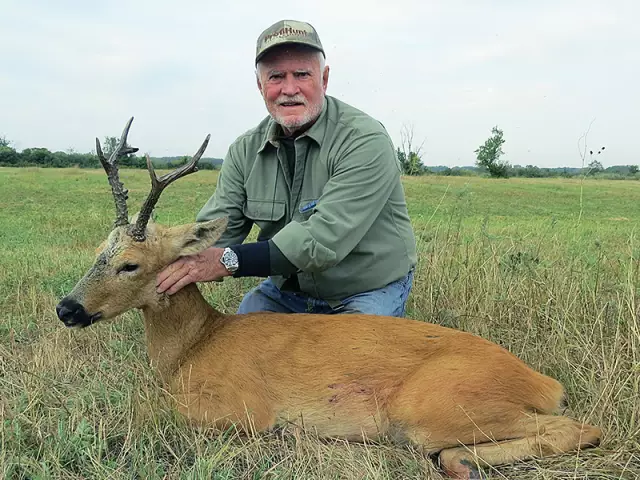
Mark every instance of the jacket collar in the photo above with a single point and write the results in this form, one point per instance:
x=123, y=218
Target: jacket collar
x=316, y=131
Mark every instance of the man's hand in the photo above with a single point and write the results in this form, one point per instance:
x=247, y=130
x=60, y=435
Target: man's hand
x=202, y=267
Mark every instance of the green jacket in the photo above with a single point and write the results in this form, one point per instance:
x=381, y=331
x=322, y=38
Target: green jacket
x=340, y=217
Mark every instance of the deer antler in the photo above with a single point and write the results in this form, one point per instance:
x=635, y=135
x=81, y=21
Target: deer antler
x=158, y=185
x=111, y=167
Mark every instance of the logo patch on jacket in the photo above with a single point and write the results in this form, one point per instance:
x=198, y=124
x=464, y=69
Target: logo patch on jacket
x=308, y=206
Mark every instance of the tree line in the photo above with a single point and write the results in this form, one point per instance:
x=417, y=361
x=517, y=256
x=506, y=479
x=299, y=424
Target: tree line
x=42, y=157
x=489, y=163
x=409, y=154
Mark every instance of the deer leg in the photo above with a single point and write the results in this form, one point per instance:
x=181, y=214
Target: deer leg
x=204, y=409
x=548, y=435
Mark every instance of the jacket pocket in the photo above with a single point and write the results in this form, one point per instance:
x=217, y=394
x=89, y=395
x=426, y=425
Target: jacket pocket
x=268, y=215
x=264, y=210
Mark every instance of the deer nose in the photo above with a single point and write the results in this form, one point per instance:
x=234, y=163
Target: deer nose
x=72, y=313
x=62, y=311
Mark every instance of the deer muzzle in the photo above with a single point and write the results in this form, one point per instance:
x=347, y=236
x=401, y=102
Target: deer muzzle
x=73, y=314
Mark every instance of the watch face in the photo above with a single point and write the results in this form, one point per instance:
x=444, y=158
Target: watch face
x=229, y=259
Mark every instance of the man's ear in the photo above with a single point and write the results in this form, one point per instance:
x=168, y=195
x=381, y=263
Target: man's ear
x=258, y=82
x=196, y=237
x=325, y=78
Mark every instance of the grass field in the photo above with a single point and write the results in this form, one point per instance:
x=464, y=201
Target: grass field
x=550, y=269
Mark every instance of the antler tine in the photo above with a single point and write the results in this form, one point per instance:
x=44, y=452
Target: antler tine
x=158, y=185
x=111, y=168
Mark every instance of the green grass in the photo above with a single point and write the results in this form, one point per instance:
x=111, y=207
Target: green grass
x=516, y=261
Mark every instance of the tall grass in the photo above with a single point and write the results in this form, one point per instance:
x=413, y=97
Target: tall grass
x=508, y=260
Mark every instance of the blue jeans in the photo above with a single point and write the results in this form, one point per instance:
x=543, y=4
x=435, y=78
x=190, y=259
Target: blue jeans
x=389, y=300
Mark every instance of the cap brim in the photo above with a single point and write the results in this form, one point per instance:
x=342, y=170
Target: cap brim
x=285, y=43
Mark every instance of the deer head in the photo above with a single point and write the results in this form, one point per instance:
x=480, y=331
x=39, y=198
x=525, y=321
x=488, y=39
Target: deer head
x=123, y=276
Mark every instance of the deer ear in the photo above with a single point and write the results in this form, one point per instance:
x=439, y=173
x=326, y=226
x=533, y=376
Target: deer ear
x=199, y=236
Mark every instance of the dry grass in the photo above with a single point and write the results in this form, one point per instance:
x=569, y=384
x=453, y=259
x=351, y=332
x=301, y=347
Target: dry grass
x=563, y=296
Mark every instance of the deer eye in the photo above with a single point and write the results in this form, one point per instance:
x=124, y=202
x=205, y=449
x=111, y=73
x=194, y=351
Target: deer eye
x=128, y=267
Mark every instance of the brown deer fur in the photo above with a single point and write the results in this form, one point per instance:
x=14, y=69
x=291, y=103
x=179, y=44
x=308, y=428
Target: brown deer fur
x=345, y=376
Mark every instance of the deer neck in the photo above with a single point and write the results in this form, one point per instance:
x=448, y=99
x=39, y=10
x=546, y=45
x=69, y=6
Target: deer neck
x=174, y=329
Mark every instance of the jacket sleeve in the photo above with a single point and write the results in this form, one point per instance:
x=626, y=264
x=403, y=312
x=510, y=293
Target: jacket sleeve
x=365, y=173
x=228, y=200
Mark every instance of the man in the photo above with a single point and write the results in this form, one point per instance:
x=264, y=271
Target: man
x=322, y=182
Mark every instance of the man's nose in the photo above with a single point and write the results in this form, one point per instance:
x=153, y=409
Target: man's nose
x=290, y=86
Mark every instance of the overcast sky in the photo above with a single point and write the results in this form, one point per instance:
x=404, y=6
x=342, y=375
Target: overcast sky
x=543, y=71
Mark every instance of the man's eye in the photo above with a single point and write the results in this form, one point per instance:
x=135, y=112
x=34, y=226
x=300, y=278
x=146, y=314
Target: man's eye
x=128, y=267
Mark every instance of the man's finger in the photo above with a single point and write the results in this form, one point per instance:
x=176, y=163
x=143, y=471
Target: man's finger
x=168, y=271
x=186, y=280
x=173, y=278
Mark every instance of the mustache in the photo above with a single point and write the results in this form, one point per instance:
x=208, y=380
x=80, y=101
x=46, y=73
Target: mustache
x=295, y=98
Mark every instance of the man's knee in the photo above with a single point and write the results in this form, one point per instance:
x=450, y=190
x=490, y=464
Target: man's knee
x=251, y=302
x=372, y=307
x=390, y=300
x=264, y=298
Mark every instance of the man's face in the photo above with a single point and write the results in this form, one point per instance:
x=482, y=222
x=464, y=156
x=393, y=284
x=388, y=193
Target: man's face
x=293, y=87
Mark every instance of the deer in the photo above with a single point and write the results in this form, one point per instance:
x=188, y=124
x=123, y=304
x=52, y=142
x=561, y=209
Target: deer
x=464, y=401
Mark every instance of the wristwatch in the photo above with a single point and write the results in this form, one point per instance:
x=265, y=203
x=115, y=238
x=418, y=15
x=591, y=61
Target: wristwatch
x=230, y=260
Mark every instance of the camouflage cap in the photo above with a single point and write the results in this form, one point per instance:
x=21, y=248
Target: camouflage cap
x=287, y=31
